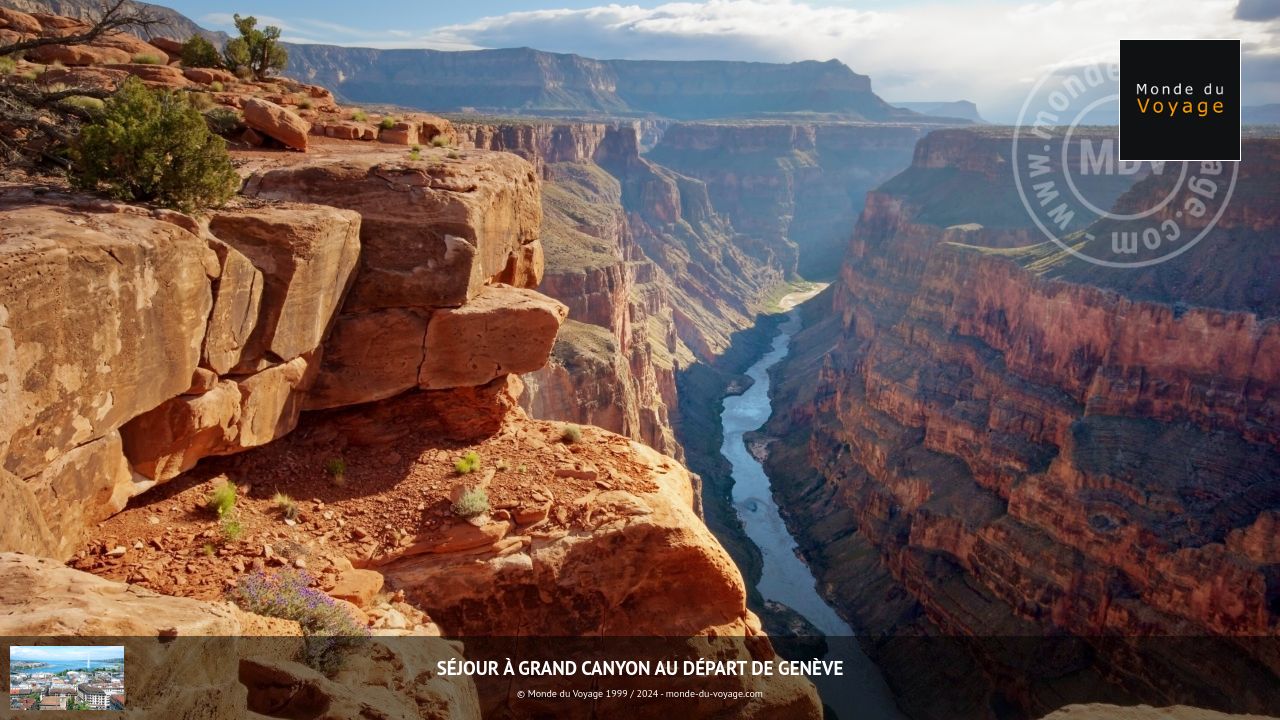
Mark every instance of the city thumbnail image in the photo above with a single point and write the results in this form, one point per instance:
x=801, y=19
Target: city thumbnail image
x=66, y=677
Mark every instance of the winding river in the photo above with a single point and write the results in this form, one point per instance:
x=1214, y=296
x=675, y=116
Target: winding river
x=861, y=693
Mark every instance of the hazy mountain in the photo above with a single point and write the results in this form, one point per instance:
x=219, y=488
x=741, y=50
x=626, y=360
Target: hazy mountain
x=1261, y=114
x=532, y=82
x=961, y=109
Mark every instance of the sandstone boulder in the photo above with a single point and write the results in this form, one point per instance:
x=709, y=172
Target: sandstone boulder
x=52, y=23
x=165, y=76
x=357, y=587
x=83, y=487
x=79, y=55
x=102, y=318
x=272, y=120
x=346, y=130
x=306, y=255
x=525, y=266
x=208, y=76
x=369, y=356
x=236, y=305
x=233, y=416
x=430, y=237
x=503, y=330
x=169, y=45
x=24, y=529
x=18, y=22
x=402, y=133
x=85, y=77
x=633, y=564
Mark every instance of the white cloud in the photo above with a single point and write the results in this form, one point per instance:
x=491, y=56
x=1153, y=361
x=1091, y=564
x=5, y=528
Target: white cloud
x=988, y=51
x=65, y=653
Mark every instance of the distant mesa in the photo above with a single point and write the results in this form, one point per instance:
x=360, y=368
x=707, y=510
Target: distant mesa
x=1261, y=114
x=959, y=109
x=529, y=82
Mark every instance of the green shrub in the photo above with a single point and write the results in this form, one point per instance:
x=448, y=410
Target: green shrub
x=7, y=64
x=387, y=123
x=454, y=154
x=222, y=501
x=231, y=529
x=202, y=101
x=570, y=434
x=200, y=53
x=468, y=463
x=415, y=153
x=148, y=59
x=472, y=503
x=88, y=105
x=337, y=469
x=224, y=120
x=286, y=505
x=257, y=52
x=329, y=629
x=153, y=146
x=209, y=550
x=306, y=104
x=440, y=141
x=217, y=86
x=359, y=116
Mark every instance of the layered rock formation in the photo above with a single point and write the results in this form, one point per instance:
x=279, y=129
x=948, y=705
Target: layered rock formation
x=530, y=81
x=649, y=270
x=985, y=438
x=178, y=340
x=791, y=190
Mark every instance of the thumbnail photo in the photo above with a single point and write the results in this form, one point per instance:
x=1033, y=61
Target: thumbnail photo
x=66, y=677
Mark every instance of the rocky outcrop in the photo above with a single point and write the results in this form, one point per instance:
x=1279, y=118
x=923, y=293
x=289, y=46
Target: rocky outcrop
x=1025, y=448
x=180, y=340
x=192, y=658
x=419, y=310
x=276, y=122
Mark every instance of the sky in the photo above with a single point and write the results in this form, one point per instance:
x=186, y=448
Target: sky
x=986, y=51
x=65, y=653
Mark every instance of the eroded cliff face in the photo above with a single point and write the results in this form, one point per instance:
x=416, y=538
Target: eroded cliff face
x=652, y=275
x=1000, y=443
x=793, y=191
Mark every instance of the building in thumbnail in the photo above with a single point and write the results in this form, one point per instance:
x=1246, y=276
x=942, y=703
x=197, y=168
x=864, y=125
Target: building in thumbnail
x=95, y=697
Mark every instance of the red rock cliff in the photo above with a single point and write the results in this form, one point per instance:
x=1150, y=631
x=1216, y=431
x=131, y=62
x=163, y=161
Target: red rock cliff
x=1022, y=447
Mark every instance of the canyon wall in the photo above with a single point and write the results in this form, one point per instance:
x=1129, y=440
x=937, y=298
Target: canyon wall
x=165, y=340
x=791, y=190
x=1064, y=475
x=652, y=275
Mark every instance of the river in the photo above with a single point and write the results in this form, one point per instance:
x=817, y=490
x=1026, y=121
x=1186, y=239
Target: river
x=861, y=693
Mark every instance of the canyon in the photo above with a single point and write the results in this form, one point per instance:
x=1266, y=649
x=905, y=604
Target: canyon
x=994, y=452
x=347, y=331
x=1024, y=482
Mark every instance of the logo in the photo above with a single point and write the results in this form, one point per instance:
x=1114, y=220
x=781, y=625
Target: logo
x=1089, y=202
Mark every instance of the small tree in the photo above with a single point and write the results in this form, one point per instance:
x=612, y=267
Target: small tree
x=200, y=53
x=258, y=51
x=153, y=146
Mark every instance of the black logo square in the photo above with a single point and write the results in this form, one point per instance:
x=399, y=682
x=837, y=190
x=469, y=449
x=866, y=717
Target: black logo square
x=1179, y=100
